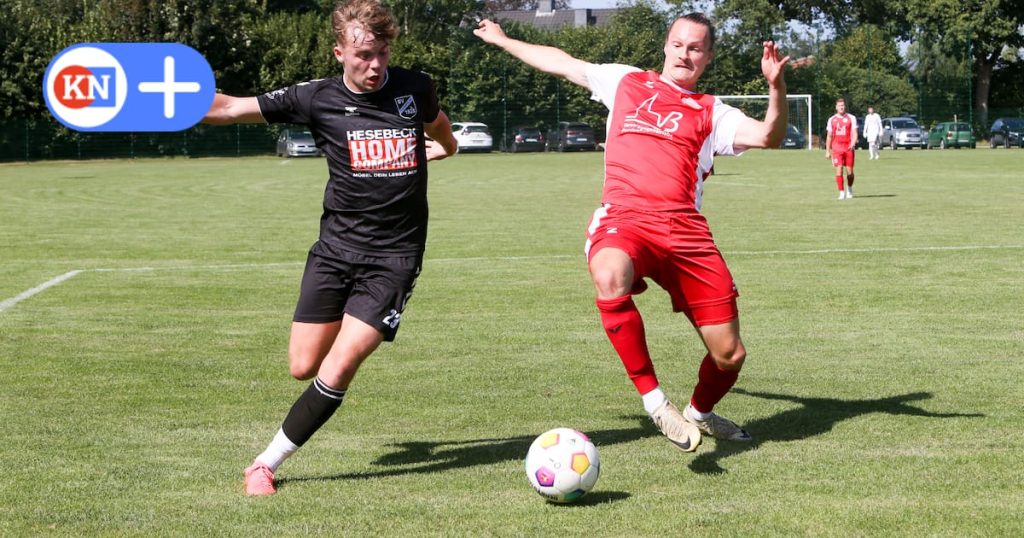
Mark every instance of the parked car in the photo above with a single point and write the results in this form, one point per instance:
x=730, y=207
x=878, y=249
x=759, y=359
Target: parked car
x=950, y=134
x=794, y=139
x=525, y=139
x=568, y=135
x=297, y=143
x=902, y=132
x=862, y=143
x=1007, y=132
x=472, y=136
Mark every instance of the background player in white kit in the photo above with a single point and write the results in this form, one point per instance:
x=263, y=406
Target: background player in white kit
x=662, y=137
x=873, y=132
x=361, y=271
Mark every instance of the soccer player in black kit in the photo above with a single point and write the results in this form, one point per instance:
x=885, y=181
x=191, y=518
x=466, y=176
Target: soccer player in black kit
x=370, y=122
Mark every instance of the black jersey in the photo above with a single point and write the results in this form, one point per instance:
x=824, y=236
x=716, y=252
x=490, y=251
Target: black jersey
x=375, y=202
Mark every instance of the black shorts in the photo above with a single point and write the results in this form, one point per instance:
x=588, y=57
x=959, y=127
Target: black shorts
x=371, y=289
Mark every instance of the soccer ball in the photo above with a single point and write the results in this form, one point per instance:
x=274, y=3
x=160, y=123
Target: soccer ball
x=562, y=465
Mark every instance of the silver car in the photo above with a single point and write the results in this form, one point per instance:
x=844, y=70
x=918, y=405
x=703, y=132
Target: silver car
x=296, y=143
x=902, y=132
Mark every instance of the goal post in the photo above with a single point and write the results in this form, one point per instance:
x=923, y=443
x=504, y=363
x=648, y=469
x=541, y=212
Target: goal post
x=755, y=106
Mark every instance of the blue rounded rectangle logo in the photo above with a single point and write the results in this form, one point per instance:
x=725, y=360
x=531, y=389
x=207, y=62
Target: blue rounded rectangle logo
x=129, y=87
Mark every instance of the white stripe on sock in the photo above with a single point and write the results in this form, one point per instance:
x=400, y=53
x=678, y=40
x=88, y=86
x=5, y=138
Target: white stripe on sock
x=327, y=391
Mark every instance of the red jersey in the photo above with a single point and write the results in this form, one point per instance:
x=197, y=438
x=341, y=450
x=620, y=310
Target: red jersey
x=841, y=127
x=661, y=139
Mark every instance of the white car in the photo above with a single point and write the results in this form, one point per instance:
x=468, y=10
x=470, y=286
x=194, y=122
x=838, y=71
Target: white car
x=472, y=136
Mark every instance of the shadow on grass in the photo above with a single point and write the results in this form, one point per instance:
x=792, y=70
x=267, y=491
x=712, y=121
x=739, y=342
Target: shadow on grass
x=595, y=498
x=425, y=457
x=815, y=416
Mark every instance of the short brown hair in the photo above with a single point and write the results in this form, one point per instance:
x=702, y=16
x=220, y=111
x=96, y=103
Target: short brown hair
x=701, y=19
x=374, y=17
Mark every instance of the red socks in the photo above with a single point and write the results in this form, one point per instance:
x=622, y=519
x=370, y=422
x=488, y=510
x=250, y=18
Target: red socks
x=839, y=181
x=849, y=179
x=625, y=329
x=713, y=384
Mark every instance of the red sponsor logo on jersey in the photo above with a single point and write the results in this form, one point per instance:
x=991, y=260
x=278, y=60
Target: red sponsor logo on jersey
x=383, y=154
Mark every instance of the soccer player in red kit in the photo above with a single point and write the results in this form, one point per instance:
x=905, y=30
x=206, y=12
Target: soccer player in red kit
x=662, y=138
x=839, y=144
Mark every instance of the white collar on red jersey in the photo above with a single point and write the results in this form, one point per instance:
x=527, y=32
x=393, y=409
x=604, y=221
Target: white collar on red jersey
x=687, y=100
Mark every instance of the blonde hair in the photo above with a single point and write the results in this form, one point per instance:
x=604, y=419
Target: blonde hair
x=370, y=14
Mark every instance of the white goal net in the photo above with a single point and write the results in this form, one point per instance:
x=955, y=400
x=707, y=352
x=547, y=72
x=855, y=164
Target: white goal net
x=756, y=105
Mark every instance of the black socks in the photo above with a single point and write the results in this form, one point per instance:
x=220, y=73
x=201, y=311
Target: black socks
x=310, y=411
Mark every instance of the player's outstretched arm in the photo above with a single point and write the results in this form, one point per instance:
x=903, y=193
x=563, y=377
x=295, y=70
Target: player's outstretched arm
x=227, y=110
x=442, y=142
x=768, y=133
x=541, y=57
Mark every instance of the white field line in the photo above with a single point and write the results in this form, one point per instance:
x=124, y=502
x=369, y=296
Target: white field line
x=864, y=250
x=193, y=267
x=737, y=184
x=8, y=303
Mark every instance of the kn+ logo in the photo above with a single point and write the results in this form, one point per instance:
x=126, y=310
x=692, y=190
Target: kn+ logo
x=128, y=87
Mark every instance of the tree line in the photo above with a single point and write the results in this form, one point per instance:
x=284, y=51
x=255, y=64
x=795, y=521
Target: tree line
x=901, y=56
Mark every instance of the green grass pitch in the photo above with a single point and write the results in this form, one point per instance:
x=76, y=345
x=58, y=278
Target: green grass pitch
x=883, y=385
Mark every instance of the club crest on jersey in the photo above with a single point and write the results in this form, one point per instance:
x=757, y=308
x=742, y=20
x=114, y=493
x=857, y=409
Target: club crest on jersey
x=406, y=106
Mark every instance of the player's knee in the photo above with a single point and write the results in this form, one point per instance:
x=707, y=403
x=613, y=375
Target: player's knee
x=301, y=366
x=609, y=282
x=732, y=358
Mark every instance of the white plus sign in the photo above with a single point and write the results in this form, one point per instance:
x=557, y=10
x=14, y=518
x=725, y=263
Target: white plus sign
x=169, y=87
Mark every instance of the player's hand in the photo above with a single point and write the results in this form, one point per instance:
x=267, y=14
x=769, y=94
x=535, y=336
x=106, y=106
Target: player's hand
x=773, y=65
x=828, y=154
x=489, y=31
x=435, y=151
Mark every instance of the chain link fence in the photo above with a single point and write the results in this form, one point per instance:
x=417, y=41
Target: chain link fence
x=46, y=139
x=28, y=140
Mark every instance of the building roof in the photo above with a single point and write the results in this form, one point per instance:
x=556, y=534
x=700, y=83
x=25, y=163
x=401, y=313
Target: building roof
x=555, y=19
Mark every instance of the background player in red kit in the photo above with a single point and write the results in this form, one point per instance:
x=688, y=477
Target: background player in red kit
x=662, y=137
x=839, y=144
x=370, y=122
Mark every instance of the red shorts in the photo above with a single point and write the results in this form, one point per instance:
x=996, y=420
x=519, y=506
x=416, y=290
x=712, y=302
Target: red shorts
x=675, y=250
x=843, y=158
